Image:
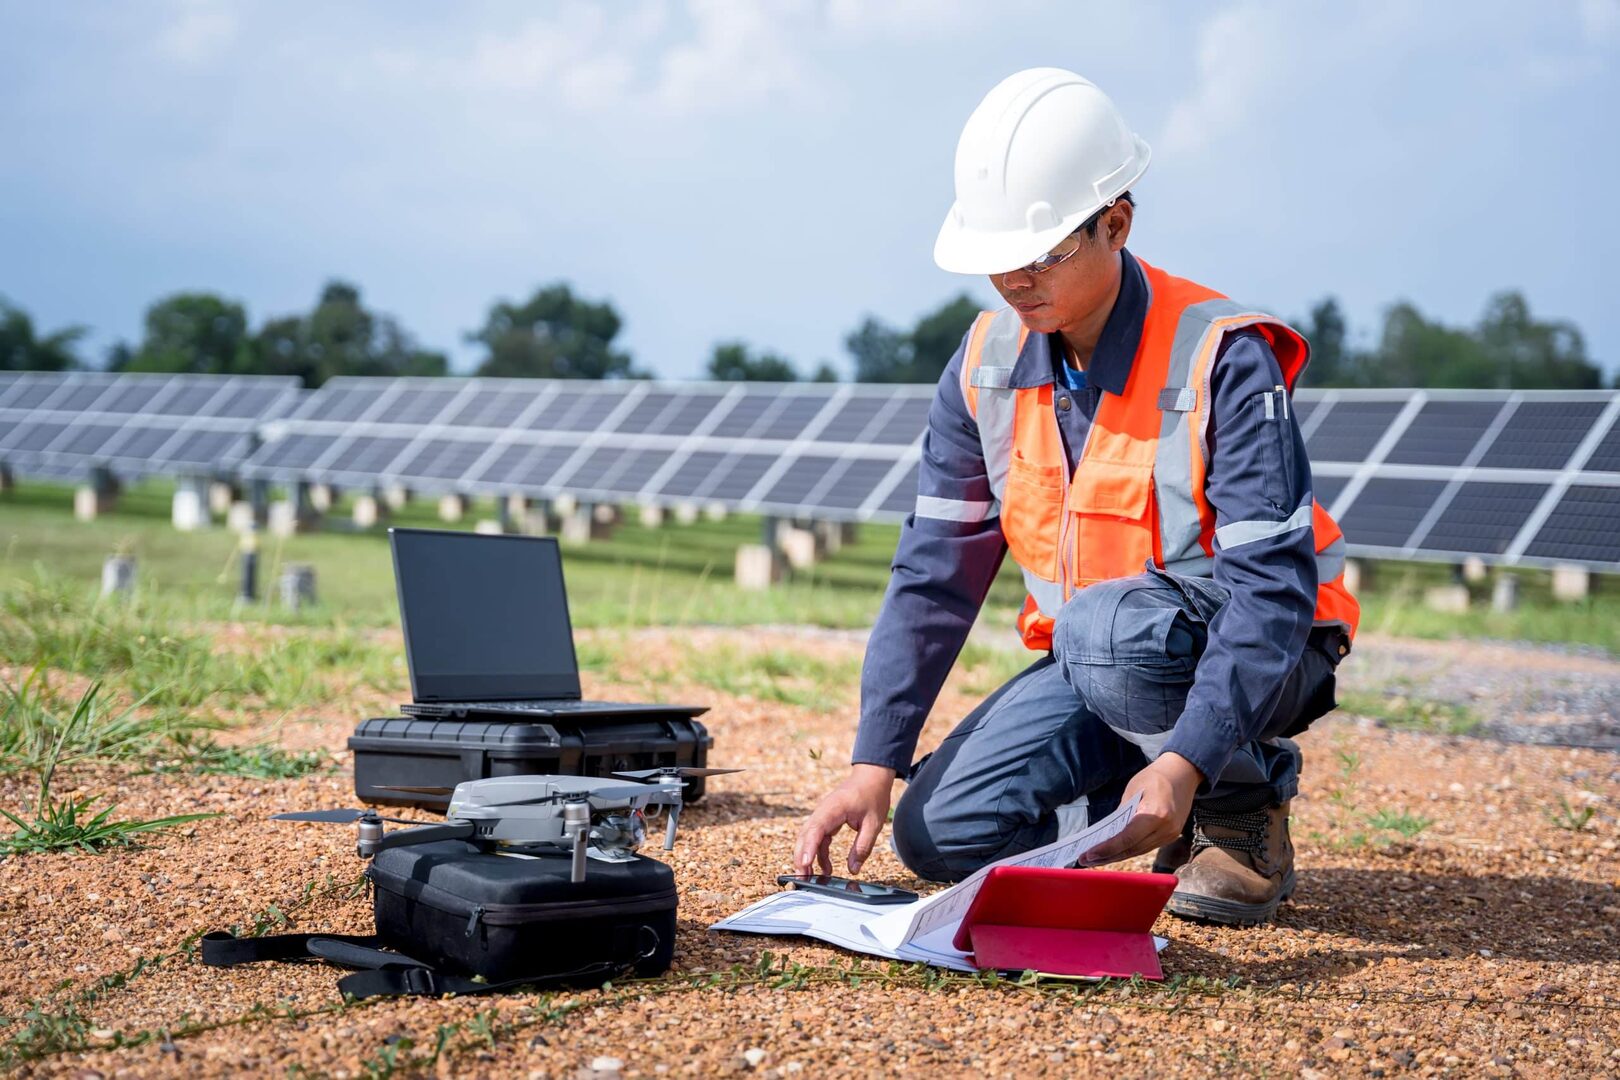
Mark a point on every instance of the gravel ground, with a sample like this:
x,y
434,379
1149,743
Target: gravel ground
x,y
1485,943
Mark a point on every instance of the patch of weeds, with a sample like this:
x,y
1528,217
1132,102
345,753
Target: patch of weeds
x,y
1569,819
61,824
778,675
205,757
47,624
1408,826
35,725
1344,814
1402,712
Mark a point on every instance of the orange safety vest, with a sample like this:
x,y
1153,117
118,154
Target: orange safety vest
x,y
1137,496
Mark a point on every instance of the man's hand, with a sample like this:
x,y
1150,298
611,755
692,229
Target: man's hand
x,y
1167,787
862,803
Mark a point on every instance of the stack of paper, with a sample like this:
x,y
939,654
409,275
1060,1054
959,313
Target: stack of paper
x,y
919,931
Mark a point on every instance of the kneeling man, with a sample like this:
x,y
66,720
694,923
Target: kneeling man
x,y
1127,436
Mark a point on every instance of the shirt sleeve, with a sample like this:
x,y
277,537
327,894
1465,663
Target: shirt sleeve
x,y
950,549
1259,485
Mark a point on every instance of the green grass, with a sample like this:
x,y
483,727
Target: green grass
x,y
674,575
37,727
1408,826
61,824
205,757
776,675
1568,818
1402,712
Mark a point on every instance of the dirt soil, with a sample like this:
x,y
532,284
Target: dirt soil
x,y
1485,943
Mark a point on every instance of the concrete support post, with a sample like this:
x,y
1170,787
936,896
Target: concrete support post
x,y
757,567
1449,599
716,511
321,497
1571,583
1473,570
118,575
829,536
686,513
798,547
239,518
1504,593
587,522
189,508
221,496
97,497
452,508
368,510
395,497
297,586
488,526
1358,575
652,517
564,504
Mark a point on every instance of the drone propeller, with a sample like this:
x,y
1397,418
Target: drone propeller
x,y
674,770
339,817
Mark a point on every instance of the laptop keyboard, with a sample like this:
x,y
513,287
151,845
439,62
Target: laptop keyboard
x,y
537,706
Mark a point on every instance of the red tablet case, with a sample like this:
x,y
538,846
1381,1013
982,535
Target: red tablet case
x,y
1064,921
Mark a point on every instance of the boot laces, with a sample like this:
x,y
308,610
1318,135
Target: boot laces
x,y
1249,829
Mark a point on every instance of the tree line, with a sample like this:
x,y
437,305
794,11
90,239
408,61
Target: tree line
x,y
558,334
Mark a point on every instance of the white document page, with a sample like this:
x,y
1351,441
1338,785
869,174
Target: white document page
x,y
900,926
920,931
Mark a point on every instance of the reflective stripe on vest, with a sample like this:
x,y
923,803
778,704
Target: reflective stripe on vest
x,y
1137,496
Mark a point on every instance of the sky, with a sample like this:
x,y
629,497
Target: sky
x,y
775,170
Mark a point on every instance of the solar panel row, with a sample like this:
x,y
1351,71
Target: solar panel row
x,y
1511,476
840,451
56,423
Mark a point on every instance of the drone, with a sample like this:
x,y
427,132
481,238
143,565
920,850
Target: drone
x,y
584,816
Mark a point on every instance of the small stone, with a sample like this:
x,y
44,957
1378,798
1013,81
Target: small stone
x,y
1217,1026
754,1056
1486,953
606,1064
1313,1074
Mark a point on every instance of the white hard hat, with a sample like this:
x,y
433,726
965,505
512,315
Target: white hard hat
x,y
1043,152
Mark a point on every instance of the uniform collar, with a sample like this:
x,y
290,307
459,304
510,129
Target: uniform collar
x,y
1111,361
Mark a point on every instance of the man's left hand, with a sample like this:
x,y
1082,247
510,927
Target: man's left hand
x,y
1167,787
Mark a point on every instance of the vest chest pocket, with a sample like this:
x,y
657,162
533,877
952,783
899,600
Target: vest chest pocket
x,y
1032,514
1114,521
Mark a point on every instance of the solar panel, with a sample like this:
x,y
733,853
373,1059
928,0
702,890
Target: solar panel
x,y
1350,430
1482,518
1431,474
1541,435
67,423
1387,510
1444,432
1583,527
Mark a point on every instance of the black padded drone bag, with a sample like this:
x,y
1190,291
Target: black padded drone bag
x,y
454,919
505,917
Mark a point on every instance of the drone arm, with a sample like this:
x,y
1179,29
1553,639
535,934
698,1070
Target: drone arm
x,y
426,834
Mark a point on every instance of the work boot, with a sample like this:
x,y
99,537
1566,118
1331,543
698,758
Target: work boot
x,y
1242,867
1174,855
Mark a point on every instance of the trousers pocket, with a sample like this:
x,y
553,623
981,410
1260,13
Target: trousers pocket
x,y
1031,515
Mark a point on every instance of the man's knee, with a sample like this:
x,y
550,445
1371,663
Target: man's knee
x,y
939,846
1083,629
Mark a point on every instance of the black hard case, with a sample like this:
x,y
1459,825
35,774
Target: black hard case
x,y
502,917
418,752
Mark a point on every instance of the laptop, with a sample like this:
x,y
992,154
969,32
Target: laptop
x,y
487,632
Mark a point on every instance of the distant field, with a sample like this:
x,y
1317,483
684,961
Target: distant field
x,y
640,577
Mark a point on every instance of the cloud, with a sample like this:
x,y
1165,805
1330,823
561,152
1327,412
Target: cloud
x,y
1235,71
199,33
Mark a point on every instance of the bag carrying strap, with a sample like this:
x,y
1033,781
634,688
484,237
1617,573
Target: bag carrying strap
x,y
385,973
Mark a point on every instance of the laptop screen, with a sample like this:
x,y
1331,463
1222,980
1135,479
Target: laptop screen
x,y
485,617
